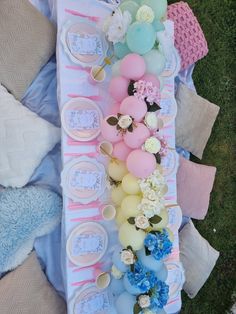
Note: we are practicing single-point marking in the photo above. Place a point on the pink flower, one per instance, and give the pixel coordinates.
(146, 90)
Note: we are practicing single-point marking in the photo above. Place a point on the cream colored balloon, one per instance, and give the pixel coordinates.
(130, 184)
(128, 235)
(120, 219)
(129, 206)
(117, 195)
(117, 169)
(164, 222)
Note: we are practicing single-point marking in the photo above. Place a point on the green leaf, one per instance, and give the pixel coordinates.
(129, 247)
(152, 108)
(137, 308)
(132, 267)
(155, 219)
(131, 88)
(131, 220)
(130, 128)
(112, 121)
(147, 252)
(158, 158)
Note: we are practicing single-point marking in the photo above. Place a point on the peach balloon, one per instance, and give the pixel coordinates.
(118, 88)
(141, 164)
(133, 66)
(109, 132)
(136, 138)
(121, 151)
(134, 107)
(151, 78)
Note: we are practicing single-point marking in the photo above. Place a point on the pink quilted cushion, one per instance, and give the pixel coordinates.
(189, 38)
(194, 185)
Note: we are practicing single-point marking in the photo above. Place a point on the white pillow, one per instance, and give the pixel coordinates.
(25, 139)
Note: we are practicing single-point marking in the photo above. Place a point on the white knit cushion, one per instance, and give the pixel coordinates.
(25, 139)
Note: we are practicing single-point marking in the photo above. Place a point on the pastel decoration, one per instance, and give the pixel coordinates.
(81, 119)
(158, 25)
(116, 287)
(129, 206)
(116, 69)
(129, 236)
(130, 6)
(130, 288)
(149, 261)
(116, 260)
(117, 195)
(163, 223)
(175, 278)
(132, 66)
(174, 218)
(125, 303)
(130, 184)
(155, 62)
(159, 7)
(102, 279)
(121, 50)
(133, 107)
(105, 148)
(121, 151)
(118, 88)
(108, 212)
(162, 273)
(136, 138)
(141, 37)
(109, 132)
(97, 74)
(170, 234)
(117, 169)
(87, 244)
(120, 219)
(137, 158)
(114, 109)
(151, 78)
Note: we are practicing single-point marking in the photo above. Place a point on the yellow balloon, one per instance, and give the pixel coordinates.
(164, 222)
(130, 184)
(129, 206)
(117, 169)
(120, 219)
(128, 235)
(117, 195)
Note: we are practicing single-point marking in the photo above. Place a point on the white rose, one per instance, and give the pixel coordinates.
(116, 273)
(125, 121)
(145, 14)
(127, 257)
(151, 120)
(144, 301)
(152, 145)
(141, 222)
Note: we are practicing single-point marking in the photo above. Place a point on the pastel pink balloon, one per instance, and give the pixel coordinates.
(141, 164)
(118, 88)
(133, 66)
(134, 107)
(136, 138)
(121, 151)
(151, 78)
(109, 132)
(115, 109)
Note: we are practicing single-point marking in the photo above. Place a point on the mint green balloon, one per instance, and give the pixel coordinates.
(130, 6)
(155, 62)
(121, 50)
(158, 26)
(141, 37)
(159, 7)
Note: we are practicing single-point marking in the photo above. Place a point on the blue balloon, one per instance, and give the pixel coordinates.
(116, 287)
(158, 26)
(149, 261)
(125, 303)
(162, 273)
(129, 288)
(121, 50)
(141, 37)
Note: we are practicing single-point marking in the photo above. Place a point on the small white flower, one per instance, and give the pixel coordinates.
(116, 273)
(151, 208)
(145, 14)
(152, 145)
(125, 121)
(141, 222)
(117, 25)
(144, 301)
(151, 120)
(127, 257)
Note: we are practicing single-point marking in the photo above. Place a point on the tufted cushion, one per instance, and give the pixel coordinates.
(194, 185)
(25, 139)
(27, 40)
(194, 121)
(198, 259)
(27, 291)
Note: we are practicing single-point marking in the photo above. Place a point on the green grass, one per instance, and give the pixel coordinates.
(214, 77)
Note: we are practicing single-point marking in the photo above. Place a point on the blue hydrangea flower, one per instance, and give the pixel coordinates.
(160, 295)
(158, 244)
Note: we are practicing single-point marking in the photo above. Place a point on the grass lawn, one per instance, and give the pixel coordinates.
(214, 77)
